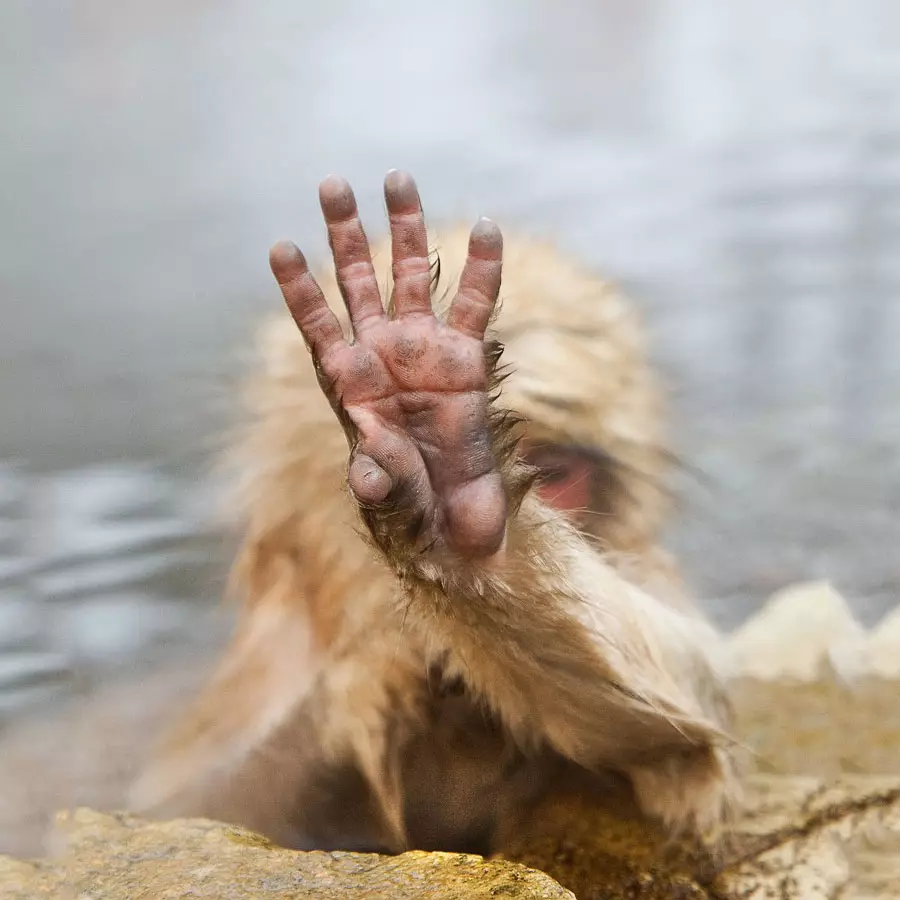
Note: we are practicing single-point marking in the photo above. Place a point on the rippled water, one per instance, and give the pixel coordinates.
(101, 569)
(735, 166)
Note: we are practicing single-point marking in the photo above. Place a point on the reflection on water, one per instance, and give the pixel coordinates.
(100, 568)
(734, 166)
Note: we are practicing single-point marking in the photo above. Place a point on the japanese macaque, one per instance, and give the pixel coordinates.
(453, 598)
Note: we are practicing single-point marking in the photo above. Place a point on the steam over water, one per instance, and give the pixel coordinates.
(735, 166)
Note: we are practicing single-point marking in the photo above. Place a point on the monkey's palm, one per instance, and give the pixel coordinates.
(414, 388)
(413, 378)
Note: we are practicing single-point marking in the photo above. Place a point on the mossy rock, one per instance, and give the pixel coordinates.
(800, 839)
(118, 857)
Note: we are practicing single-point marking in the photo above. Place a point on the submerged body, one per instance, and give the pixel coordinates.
(423, 656)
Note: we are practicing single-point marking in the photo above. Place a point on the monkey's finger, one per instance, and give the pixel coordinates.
(409, 245)
(305, 300)
(479, 284)
(368, 481)
(350, 249)
(385, 450)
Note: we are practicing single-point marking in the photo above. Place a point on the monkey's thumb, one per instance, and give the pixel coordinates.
(368, 481)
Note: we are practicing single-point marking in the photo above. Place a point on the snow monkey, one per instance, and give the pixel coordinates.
(453, 597)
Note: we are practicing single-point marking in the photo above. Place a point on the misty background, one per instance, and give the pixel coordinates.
(735, 167)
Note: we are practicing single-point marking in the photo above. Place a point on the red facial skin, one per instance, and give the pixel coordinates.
(566, 476)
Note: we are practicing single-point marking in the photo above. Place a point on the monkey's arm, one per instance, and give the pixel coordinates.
(568, 652)
(565, 650)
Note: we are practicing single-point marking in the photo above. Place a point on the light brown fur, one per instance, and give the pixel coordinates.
(362, 705)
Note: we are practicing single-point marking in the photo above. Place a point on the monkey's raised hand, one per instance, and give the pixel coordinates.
(413, 387)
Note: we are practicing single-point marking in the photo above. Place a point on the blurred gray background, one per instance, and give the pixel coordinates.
(736, 166)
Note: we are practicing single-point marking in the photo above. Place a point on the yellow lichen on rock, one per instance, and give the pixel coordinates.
(600, 855)
(801, 839)
(117, 857)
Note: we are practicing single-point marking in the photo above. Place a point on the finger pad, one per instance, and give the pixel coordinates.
(336, 198)
(286, 260)
(486, 240)
(400, 192)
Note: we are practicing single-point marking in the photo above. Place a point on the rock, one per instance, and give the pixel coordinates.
(816, 841)
(825, 727)
(884, 647)
(816, 694)
(794, 633)
(117, 857)
(800, 839)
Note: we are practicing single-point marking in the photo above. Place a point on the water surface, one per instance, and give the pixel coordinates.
(735, 167)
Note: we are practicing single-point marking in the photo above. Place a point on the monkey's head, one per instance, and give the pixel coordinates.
(580, 378)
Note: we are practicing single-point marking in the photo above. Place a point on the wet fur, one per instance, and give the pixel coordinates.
(377, 695)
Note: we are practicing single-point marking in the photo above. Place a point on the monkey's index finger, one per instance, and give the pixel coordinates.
(479, 284)
(305, 300)
(409, 245)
